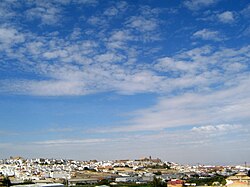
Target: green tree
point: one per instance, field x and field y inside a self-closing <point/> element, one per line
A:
<point x="28" y="181"/>
<point x="6" y="181"/>
<point x="103" y="182"/>
<point x="158" y="182"/>
<point x="157" y="173"/>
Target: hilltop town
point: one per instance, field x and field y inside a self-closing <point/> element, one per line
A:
<point x="141" y="172"/>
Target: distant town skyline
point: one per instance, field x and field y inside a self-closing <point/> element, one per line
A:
<point x="106" y="80"/>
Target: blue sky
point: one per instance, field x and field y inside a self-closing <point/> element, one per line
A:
<point x="95" y="79"/>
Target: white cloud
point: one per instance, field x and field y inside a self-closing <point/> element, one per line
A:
<point x="81" y="2"/>
<point x="138" y="83"/>
<point x="61" y="129"/>
<point x="142" y="24"/>
<point x="97" y="21"/>
<point x="47" y="88"/>
<point x="51" y="12"/>
<point x="63" y="142"/>
<point x="75" y="72"/>
<point x="207" y="34"/>
<point x="10" y="36"/>
<point x="47" y="12"/>
<point x="122" y="5"/>
<point x="6" y="10"/>
<point x="109" y="57"/>
<point x="229" y="105"/>
<point x="235" y="67"/>
<point x="246" y="31"/>
<point x="170" y="64"/>
<point x="226" y="17"/>
<point x="110" y="62"/>
<point x="121" y="35"/>
<point x="198" y="4"/>
<point x="222" y="128"/>
<point x="112" y="11"/>
<point x="246" y="11"/>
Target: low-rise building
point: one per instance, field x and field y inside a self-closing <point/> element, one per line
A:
<point x="240" y="179"/>
<point x="175" y="183"/>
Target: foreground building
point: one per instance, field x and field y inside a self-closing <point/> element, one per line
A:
<point x="238" y="180"/>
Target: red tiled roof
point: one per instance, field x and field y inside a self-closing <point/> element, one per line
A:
<point x="175" y="182"/>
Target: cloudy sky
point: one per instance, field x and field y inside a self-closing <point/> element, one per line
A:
<point x="97" y="79"/>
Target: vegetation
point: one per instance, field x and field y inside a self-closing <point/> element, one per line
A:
<point x="157" y="173"/>
<point x="134" y="185"/>
<point x="120" y="185"/>
<point x="207" y="181"/>
<point x="28" y="182"/>
<point x="103" y="182"/>
<point x="6" y="181"/>
<point x="158" y="182"/>
<point x="158" y="166"/>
